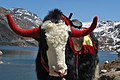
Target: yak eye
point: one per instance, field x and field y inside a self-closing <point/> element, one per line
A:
<point x="56" y="21"/>
<point x="47" y="22"/>
<point x="60" y="21"/>
<point x="50" y="22"/>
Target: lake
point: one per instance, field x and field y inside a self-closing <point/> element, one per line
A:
<point x="18" y="63"/>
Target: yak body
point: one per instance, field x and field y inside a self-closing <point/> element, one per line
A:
<point x="79" y="66"/>
<point x="84" y="69"/>
<point x="78" y="63"/>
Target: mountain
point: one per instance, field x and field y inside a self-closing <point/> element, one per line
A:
<point x="26" y="16"/>
<point x="24" y="19"/>
<point x="107" y="32"/>
<point x="108" y="35"/>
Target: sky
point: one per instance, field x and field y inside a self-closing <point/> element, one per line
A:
<point x="83" y="10"/>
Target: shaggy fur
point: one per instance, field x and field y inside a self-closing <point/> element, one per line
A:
<point x="56" y="36"/>
<point x="54" y="16"/>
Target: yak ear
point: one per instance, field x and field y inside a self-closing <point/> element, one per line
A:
<point x="25" y="33"/>
<point x="84" y="32"/>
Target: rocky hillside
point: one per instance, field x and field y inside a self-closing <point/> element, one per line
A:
<point x="111" y="70"/>
<point x="24" y="19"/>
<point x="108" y="35"/>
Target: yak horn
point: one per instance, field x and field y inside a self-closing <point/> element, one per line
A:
<point x="84" y="32"/>
<point x="25" y="33"/>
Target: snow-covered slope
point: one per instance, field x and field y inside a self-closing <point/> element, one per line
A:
<point x="26" y="16"/>
<point x="108" y="35"/>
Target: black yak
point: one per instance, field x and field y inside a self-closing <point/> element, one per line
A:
<point x="58" y="56"/>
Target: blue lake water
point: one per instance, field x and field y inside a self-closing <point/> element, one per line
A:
<point x="19" y="62"/>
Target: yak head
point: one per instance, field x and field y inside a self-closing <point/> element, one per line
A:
<point x="57" y="30"/>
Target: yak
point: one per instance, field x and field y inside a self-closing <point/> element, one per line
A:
<point x="65" y="53"/>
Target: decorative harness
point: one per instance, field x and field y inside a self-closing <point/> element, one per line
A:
<point x="87" y="46"/>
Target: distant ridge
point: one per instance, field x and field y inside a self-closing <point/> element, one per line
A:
<point x="107" y="32"/>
